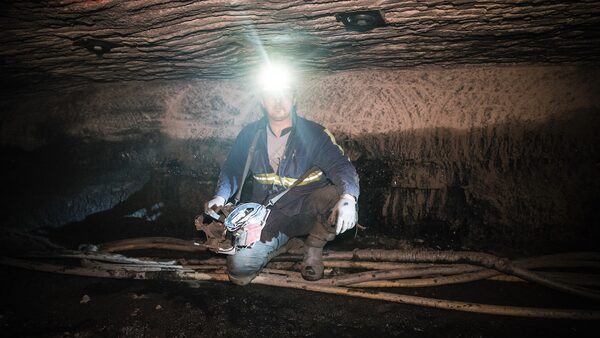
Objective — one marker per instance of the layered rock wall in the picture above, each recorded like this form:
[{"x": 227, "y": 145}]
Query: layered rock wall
[{"x": 504, "y": 152}]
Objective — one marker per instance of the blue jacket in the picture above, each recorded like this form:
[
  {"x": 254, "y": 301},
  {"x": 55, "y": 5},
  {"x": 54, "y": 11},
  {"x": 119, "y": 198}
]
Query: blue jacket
[{"x": 309, "y": 145}]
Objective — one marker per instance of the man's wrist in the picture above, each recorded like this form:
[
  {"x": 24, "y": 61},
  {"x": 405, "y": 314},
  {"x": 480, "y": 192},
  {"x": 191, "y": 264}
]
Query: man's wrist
[
  {"x": 222, "y": 199},
  {"x": 350, "y": 197}
]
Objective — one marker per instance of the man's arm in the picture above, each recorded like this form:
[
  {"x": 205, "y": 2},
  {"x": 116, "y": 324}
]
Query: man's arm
[{"x": 330, "y": 158}]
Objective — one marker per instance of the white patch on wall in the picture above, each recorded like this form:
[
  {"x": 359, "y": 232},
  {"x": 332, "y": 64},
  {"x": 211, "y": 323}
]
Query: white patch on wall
[{"x": 209, "y": 109}]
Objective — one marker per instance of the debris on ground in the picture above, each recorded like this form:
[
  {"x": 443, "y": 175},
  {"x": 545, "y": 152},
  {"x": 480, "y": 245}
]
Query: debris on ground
[
  {"x": 138, "y": 296},
  {"x": 85, "y": 299}
]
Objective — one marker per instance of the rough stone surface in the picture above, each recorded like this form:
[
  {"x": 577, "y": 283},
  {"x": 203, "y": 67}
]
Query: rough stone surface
[
  {"x": 508, "y": 152},
  {"x": 353, "y": 103},
  {"x": 69, "y": 43}
]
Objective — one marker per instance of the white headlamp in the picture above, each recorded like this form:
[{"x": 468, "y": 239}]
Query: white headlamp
[{"x": 275, "y": 77}]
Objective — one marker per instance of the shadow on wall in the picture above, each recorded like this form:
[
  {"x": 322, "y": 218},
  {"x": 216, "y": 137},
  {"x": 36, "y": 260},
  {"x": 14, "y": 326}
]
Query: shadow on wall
[
  {"x": 166, "y": 205},
  {"x": 68, "y": 179},
  {"x": 516, "y": 184}
]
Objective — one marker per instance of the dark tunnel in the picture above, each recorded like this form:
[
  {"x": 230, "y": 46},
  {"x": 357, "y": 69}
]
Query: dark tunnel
[{"x": 470, "y": 129}]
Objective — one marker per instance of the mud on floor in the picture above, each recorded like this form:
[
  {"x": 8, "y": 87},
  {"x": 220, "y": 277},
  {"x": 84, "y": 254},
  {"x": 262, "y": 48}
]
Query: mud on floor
[
  {"x": 36, "y": 304},
  {"x": 49, "y": 305}
]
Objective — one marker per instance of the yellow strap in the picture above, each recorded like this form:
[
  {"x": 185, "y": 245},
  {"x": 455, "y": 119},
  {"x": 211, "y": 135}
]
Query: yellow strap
[
  {"x": 272, "y": 178},
  {"x": 333, "y": 140}
]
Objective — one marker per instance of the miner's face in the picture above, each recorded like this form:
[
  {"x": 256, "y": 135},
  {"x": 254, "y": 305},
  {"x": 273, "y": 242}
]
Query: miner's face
[{"x": 278, "y": 105}]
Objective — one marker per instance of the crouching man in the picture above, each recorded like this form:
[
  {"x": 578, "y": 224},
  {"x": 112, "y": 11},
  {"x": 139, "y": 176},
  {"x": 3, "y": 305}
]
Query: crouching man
[{"x": 287, "y": 148}]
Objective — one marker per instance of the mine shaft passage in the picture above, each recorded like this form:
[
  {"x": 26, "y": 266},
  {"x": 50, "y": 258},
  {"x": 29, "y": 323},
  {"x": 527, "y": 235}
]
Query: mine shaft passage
[{"x": 299, "y": 168}]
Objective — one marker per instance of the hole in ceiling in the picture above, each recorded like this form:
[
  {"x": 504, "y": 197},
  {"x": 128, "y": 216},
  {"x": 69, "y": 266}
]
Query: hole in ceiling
[{"x": 361, "y": 21}]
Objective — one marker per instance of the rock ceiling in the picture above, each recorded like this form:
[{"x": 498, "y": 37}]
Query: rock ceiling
[{"x": 73, "y": 42}]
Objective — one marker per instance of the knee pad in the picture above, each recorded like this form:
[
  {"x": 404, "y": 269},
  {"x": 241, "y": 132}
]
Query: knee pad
[
  {"x": 241, "y": 280},
  {"x": 242, "y": 270}
]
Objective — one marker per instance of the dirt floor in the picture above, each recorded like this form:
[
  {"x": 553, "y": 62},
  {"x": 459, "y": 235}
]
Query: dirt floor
[{"x": 50, "y": 305}]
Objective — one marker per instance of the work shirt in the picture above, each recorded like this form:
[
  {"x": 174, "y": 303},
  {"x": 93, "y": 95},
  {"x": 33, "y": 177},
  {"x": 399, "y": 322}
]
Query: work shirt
[{"x": 276, "y": 146}]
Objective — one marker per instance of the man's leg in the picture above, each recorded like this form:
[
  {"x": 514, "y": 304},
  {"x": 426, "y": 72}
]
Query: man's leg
[
  {"x": 247, "y": 262},
  {"x": 318, "y": 208}
]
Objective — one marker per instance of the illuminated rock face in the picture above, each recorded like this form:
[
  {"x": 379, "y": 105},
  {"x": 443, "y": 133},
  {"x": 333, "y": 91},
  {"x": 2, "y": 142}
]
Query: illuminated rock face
[
  {"x": 354, "y": 103},
  {"x": 508, "y": 153}
]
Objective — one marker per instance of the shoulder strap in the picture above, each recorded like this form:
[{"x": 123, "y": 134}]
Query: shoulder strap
[
  {"x": 247, "y": 166},
  {"x": 277, "y": 197}
]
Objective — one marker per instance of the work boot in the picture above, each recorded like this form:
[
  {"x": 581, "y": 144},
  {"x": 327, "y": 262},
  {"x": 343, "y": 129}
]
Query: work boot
[{"x": 312, "y": 265}]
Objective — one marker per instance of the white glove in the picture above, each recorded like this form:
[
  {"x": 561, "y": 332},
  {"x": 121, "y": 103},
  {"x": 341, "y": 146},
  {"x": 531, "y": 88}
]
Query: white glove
[
  {"x": 344, "y": 214},
  {"x": 217, "y": 201}
]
